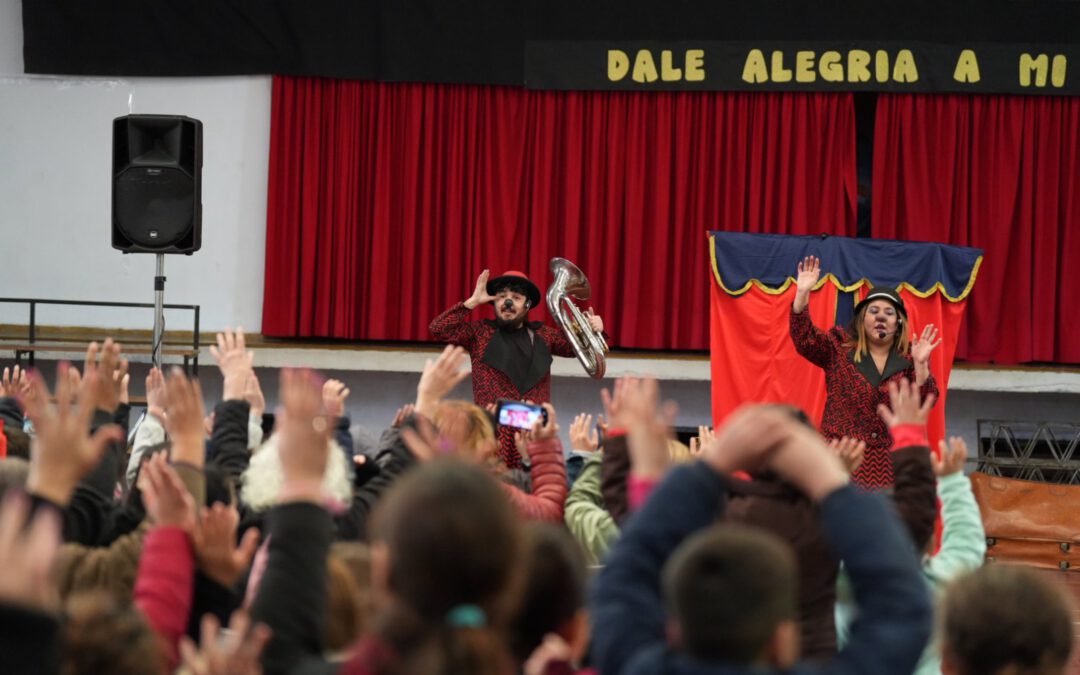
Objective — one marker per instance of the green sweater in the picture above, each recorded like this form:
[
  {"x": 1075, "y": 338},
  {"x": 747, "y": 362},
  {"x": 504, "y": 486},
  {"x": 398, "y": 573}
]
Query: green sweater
[
  {"x": 585, "y": 515},
  {"x": 963, "y": 547}
]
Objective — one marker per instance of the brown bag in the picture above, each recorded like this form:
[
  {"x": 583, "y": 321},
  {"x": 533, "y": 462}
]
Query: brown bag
[{"x": 1029, "y": 523}]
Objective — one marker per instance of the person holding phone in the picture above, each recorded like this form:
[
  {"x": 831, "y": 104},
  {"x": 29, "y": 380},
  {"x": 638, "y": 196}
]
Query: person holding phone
[{"x": 511, "y": 357}]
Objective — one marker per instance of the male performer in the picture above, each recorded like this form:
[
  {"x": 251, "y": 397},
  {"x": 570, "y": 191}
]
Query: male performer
[{"x": 511, "y": 358}]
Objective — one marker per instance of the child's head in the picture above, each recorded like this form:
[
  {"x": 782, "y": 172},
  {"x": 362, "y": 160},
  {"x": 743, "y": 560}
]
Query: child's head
[
  {"x": 730, "y": 593},
  {"x": 1004, "y": 620},
  {"x": 553, "y": 597},
  {"x": 446, "y": 558}
]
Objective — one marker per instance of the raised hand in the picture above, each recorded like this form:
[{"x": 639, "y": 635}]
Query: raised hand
[
  {"x": 185, "y": 422},
  {"x": 850, "y": 451},
  {"x": 64, "y": 451},
  {"x": 156, "y": 397},
  {"x": 648, "y": 424},
  {"x": 440, "y": 376},
  {"x": 904, "y": 405},
  {"x": 583, "y": 436},
  {"x": 254, "y": 396},
  {"x": 747, "y": 439},
  {"x": 14, "y": 382},
  {"x": 334, "y": 393},
  {"x": 215, "y": 545},
  {"x": 701, "y": 441},
  {"x": 168, "y": 503},
  {"x": 103, "y": 391},
  {"x": 304, "y": 430},
  {"x": 235, "y": 362},
  {"x": 544, "y": 429},
  {"x": 804, "y": 460},
  {"x": 809, "y": 273},
  {"x": 27, "y": 552},
  {"x": 952, "y": 456},
  {"x": 613, "y": 404},
  {"x": 234, "y": 653},
  {"x": 423, "y": 440},
  {"x": 480, "y": 295},
  {"x": 402, "y": 414},
  {"x": 922, "y": 346}
]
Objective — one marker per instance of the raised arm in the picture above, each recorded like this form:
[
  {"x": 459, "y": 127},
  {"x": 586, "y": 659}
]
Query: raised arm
[
  {"x": 810, "y": 341},
  {"x": 963, "y": 539},
  {"x": 585, "y": 515},
  {"x": 453, "y": 325},
  {"x": 548, "y": 475}
]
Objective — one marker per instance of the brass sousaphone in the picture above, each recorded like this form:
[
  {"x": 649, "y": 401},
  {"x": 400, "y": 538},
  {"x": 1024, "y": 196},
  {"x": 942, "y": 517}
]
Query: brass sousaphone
[{"x": 589, "y": 345}]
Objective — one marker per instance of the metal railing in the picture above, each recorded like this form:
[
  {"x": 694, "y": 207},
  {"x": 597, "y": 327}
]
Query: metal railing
[
  {"x": 1039, "y": 451},
  {"x": 33, "y": 303}
]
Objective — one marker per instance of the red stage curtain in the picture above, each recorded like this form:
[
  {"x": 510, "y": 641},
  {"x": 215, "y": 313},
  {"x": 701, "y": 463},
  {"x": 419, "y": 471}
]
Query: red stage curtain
[
  {"x": 387, "y": 200},
  {"x": 753, "y": 357},
  {"x": 948, "y": 317},
  {"x": 1003, "y": 174}
]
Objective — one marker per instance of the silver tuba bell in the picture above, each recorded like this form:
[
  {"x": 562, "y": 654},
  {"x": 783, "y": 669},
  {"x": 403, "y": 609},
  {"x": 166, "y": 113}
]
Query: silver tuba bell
[{"x": 589, "y": 345}]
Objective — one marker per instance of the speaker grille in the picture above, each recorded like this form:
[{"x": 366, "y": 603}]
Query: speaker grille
[{"x": 157, "y": 166}]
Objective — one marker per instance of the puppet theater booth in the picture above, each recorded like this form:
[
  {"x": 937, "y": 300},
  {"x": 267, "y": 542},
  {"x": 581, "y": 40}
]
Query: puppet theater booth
[{"x": 753, "y": 358}]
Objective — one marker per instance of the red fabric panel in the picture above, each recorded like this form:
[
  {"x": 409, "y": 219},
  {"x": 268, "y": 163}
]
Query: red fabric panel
[
  {"x": 753, "y": 359},
  {"x": 947, "y": 316},
  {"x": 1001, "y": 173},
  {"x": 387, "y": 200}
]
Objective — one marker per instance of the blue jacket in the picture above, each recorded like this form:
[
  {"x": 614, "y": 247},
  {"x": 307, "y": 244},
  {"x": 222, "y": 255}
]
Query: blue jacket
[{"x": 628, "y": 610}]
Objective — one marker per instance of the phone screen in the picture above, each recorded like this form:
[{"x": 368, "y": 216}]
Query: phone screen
[{"x": 519, "y": 415}]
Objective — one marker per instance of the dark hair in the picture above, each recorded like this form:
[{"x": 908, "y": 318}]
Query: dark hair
[
  {"x": 729, "y": 587},
  {"x": 512, "y": 286},
  {"x": 18, "y": 442},
  {"x": 219, "y": 486},
  {"x": 454, "y": 544},
  {"x": 1005, "y": 619},
  {"x": 554, "y": 586},
  {"x": 102, "y": 636}
]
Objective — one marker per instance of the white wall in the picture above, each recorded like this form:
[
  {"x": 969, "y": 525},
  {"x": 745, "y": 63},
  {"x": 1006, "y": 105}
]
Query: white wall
[{"x": 55, "y": 163}]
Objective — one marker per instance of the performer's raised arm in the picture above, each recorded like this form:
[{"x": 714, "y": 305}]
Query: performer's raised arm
[
  {"x": 810, "y": 341},
  {"x": 453, "y": 325}
]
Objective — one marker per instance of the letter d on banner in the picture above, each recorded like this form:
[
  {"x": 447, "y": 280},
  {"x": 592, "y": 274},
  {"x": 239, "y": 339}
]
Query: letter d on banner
[{"x": 618, "y": 64}]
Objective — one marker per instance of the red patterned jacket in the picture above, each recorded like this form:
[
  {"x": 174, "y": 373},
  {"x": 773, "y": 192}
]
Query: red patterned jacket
[
  {"x": 491, "y": 384},
  {"x": 853, "y": 393}
]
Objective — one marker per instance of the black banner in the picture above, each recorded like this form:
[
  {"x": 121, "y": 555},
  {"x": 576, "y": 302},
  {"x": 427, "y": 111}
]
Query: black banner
[
  {"x": 565, "y": 44},
  {"x": 806, "y": 66}
]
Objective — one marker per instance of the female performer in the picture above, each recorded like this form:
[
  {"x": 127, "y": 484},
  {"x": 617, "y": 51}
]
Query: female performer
[{"x": 859, "y": 364}]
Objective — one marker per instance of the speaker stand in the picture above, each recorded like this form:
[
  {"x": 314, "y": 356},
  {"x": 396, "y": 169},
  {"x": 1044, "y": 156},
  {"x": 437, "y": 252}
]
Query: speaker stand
[{"x": 159, "y": 311}]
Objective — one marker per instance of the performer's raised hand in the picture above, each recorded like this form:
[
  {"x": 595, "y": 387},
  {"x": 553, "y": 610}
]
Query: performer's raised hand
[
  {"x": 922, "y": 346},
  {"x": 480, "y": 295},
  {"x": 809, "y": 272}
]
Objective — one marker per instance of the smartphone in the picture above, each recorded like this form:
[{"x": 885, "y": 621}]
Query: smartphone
[{"x": 519, "y": 414}]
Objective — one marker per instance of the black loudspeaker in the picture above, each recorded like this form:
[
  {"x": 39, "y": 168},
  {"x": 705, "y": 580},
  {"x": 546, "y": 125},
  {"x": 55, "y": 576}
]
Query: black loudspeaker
[{"x": 157, "y": 184}]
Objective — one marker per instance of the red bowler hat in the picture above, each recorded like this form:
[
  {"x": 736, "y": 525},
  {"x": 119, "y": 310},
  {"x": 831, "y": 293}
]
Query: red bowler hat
[{"x": 518, "y": 278}]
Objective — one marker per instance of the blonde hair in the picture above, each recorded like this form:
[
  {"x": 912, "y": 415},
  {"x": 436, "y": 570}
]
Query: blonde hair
[
  {"x": 678, "y": 452},
  {"x": 479, "y": 431},
  {"x": 901, "y": 341}
]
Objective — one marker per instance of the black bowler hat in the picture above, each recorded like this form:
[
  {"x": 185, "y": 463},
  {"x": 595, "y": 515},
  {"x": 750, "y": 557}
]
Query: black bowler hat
[
  {"x": 515, "y": 278},
  {"x": 883, "y": 293}
]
